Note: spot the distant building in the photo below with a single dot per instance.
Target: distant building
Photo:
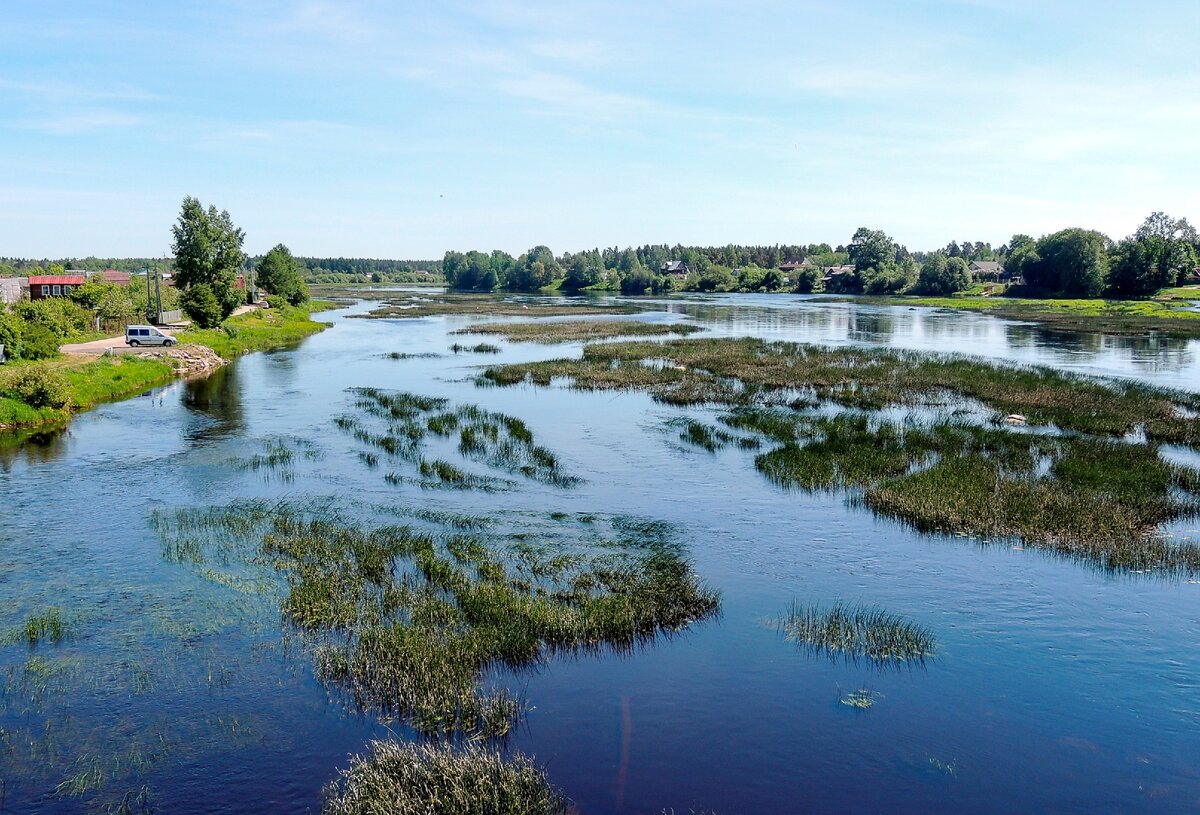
(836, 271)
(794, 265)
(676, 268)
(11, 289)
(45, 286)
(987, 270)
(112, 276)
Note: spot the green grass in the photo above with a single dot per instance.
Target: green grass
(406, 779)
(104, 380)
(410, 621)
(402, 305)
(478, 348)
(1105, 316)
(48, 626)
(411, 423)
(260, 330)
(1081, 489)
(854, 632)
(577, 330)
(749, 371)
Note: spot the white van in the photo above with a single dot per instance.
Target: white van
(146, 335)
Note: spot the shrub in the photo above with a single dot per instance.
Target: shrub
(61, 316)
(38, 342)
(11, 332)
(202, 305)
(38, 387)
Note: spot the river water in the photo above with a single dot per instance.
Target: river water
(1057, 687)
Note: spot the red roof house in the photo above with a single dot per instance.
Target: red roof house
(53, 285)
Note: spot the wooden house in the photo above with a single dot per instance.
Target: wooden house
(42, 287)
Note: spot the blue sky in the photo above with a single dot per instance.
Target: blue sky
(394, 129)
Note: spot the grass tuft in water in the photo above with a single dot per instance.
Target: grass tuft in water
(854, 632)
(406, 779)
(47, 625)
(478, 348)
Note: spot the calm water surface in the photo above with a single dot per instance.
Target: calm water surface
(1057, 687)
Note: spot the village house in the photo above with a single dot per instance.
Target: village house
(45, 286)
(676, 268)
(111, 276)
(987, 270)
(794, 265)
(836, 271)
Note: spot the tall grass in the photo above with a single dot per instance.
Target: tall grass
(411, 621)
(857, 632)
(405, 779)
(411, 423)
(552, 331)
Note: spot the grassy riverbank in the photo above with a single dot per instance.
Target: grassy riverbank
(548, 332)
(49, 392)
(1104, 316)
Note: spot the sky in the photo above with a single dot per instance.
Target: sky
(393, 129)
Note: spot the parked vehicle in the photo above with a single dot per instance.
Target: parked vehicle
(136, 335)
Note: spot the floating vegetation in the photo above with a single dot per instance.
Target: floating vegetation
(478, 348)
(1079, 488)
(411, 622)
(406, 305)
(551, 331)
(412, 423)
(431, 779)
(854, 632)
(949, 768)
(404, 355)
(47, 625)
(861, 699)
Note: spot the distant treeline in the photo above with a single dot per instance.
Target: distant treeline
(369, 270)
(24, 267)
(1070, 263)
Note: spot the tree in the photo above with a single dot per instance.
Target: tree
(806, 279)
(279, 273)
(1131, 270)
(1022, 254)
(1070, 262)
(1171, 243)
(202, 305)
(534, 270)
(584, 270)
(208, 251)
(941, 275)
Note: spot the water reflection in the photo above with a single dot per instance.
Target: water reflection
(1168, 361)
(215, 406)
(38, 446)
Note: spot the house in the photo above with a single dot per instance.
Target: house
(112, 276)
(987, 270)
(53, 285)
(794, 265)
(11, 289)
(836, 271)
(676, 268)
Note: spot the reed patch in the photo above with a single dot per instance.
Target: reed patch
(857, 632)
(554, 331)
(419, 622)
(434, 440)
(406, 779)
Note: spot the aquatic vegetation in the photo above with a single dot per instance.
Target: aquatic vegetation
(478, 348)
(404, 305)
(47, 625)
(861, 699)
(855, 632)
(413, 423)
(745, 371)
(430, 779)
(412, 621)
(1075, 489)
(552, 331)
(405, 355)
(277, 458)
(713, 439)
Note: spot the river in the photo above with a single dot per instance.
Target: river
(1057, 687)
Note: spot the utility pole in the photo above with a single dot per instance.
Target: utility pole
(149, 300)
(157, 295)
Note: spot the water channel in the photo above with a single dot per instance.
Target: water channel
(1057, 687)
